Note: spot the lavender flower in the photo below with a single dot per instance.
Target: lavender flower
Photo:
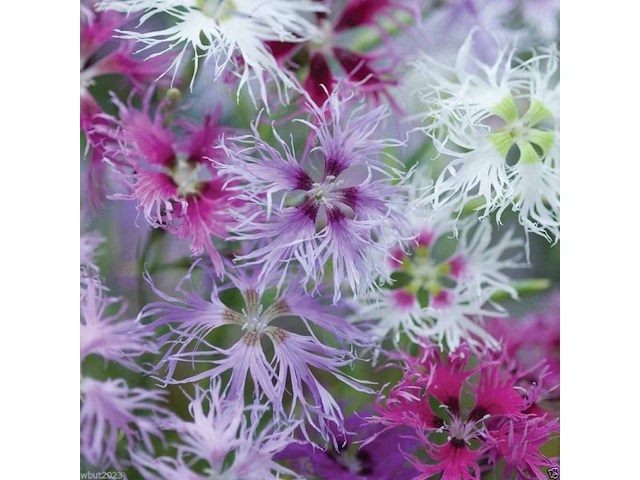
(108, 334)
(295, 356)
(111, 408)
(217, 429)
(335, 204)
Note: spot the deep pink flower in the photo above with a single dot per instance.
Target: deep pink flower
(496, 394)
(519, 443)
(101, 54)
(531, 348)
(429, 400)
(169, 173)
(455, 460)
(371, 73)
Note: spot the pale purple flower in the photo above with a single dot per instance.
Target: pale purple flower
(290, 369)
(90, 241)
(335, 204)
(104, 330)
(225, 438)
(110, 409)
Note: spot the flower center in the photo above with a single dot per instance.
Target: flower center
(522, 131)
(427, 274)
(324, 193)
(324, 39)
(186, 175)
(217, 9)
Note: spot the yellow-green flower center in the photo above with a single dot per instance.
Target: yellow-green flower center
(524, 131)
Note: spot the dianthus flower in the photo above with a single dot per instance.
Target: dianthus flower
(370, 72)
(110, 409)
(499, 126)
(101, 55)
(274, 357)
(169, 174)
(531, 349)
(223, 440)
(442, 287)
(90, 241)
(232, 34)
(334, 205)
(103, 330)
(466, 416)
(350, 459)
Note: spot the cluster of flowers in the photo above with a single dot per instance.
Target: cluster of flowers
(322, 235)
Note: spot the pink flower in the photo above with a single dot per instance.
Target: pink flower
(531, 347)
(170, 174)
(495, 424)
(519, 443)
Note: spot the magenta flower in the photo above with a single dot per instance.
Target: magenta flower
(519, 444)
(223, 439)
(350, 459)
(455, 459)
(372, 72)
(531, 349)
(290, 368)
(110, 409)
(333, 205)
(104, 331)
(101, 54)
(429, 399)
(173, 181)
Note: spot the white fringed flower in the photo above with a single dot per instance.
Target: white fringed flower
(229, 33)
(443, 285)
(499, 125)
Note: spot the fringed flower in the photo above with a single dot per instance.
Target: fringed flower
(334, 206)
(231, 34)
(169, 174)
(498, 123)
(280, 363)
